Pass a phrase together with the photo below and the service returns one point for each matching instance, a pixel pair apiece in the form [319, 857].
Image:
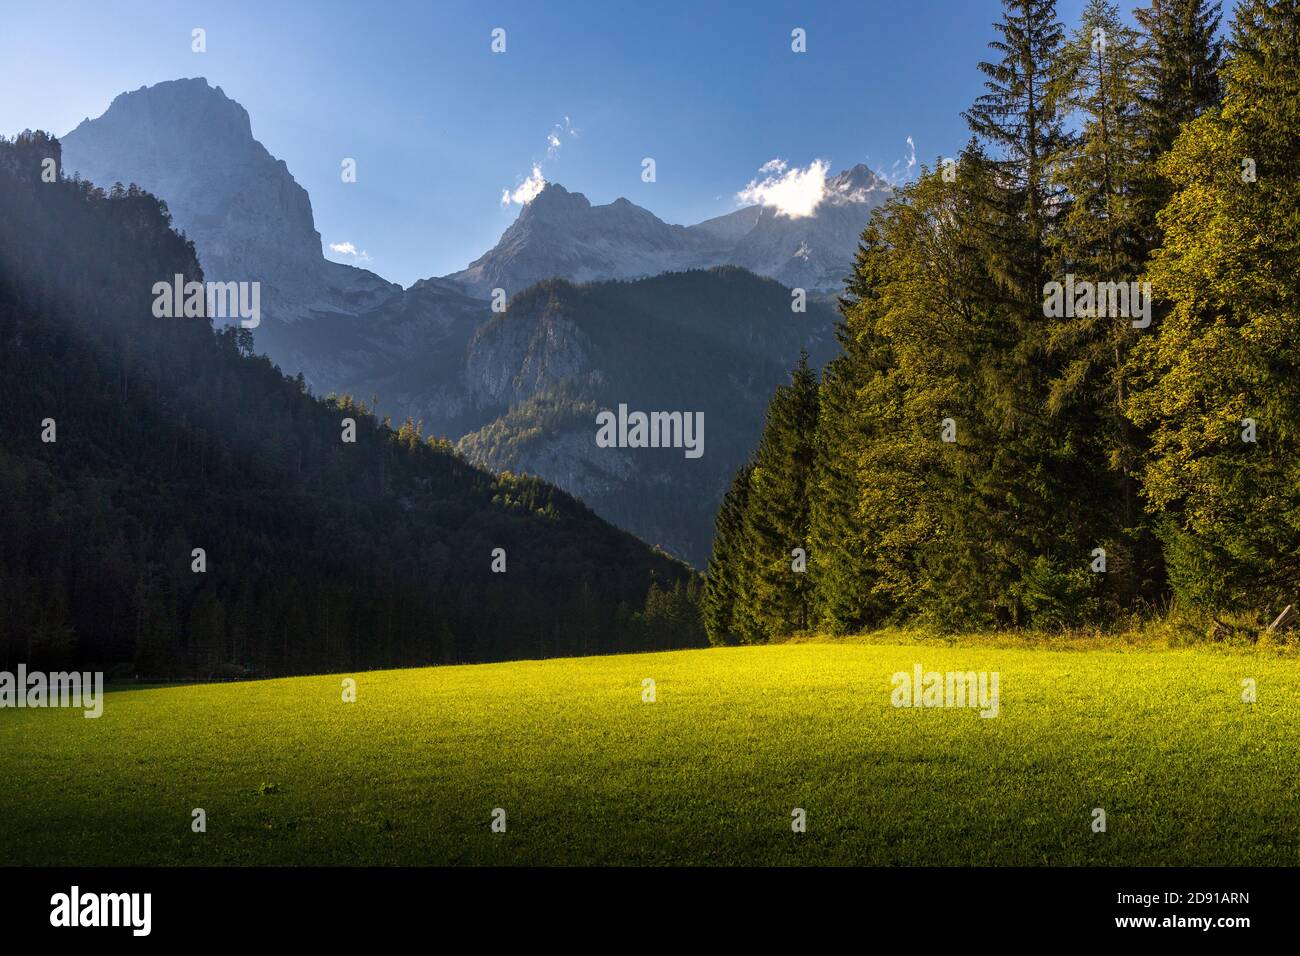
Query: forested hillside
[713, 341]
[133, 443]
[986, 456]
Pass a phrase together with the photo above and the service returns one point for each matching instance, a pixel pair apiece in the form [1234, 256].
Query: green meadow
[588, 772]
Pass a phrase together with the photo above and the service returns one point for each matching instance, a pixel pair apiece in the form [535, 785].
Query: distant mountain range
[518, 390]
[560, 234]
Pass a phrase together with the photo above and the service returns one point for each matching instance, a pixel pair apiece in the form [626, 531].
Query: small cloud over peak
[559, 132]
[527, 190]
[788, 190]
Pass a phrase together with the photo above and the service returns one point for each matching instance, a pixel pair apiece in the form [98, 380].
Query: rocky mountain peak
[856, 185]
[554, 198]
[192, 146]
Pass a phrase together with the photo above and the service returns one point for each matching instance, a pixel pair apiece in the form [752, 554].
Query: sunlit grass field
[588, 772]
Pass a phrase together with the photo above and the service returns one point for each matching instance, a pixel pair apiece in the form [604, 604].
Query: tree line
[979, 456]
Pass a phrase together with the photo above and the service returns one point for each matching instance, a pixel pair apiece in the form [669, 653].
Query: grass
[709, 773]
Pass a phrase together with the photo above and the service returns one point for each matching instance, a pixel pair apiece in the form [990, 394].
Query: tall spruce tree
[1221, 387]
[726, 562]
[1181, 66]
[1034, 466]
[839, 559]
[773, 597]
[1020, 117]
[921, 443]
[1100, 239]
[1182, 55]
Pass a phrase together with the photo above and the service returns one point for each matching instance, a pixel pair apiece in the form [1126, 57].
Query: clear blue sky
[439, 125]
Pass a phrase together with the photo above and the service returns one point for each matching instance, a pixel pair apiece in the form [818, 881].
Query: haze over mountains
[518, 390]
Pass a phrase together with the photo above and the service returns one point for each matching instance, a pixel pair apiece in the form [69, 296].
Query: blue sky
[440, 125]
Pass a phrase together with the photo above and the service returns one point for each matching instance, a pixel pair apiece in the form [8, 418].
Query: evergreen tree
[955, 495]
[1181, 66]
[1032, 463]
[1101, 239]
[839, 554]
[772, 596]
[1020, 116]
[725, 563]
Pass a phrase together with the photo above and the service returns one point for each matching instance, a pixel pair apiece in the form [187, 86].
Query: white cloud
[790, 191]
[349, 249]
[897, 176]
[526, 191]
[555, 138]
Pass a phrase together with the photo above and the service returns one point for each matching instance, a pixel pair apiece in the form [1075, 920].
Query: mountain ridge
[561, 234]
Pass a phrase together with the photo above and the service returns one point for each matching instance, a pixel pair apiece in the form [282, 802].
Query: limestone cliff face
[713, 342]
[193, 147]
[522, 353]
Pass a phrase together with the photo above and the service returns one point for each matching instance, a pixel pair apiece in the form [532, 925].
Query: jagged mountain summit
[560, 234]
[191, 145]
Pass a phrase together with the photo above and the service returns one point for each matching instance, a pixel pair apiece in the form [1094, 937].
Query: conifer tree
[955, 491]
[1020, 117]
[1100, 239]
[1181, 59]
[725, 562]
[1181, 65]
[1033, 465]
[839, 556]
[773, 597]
